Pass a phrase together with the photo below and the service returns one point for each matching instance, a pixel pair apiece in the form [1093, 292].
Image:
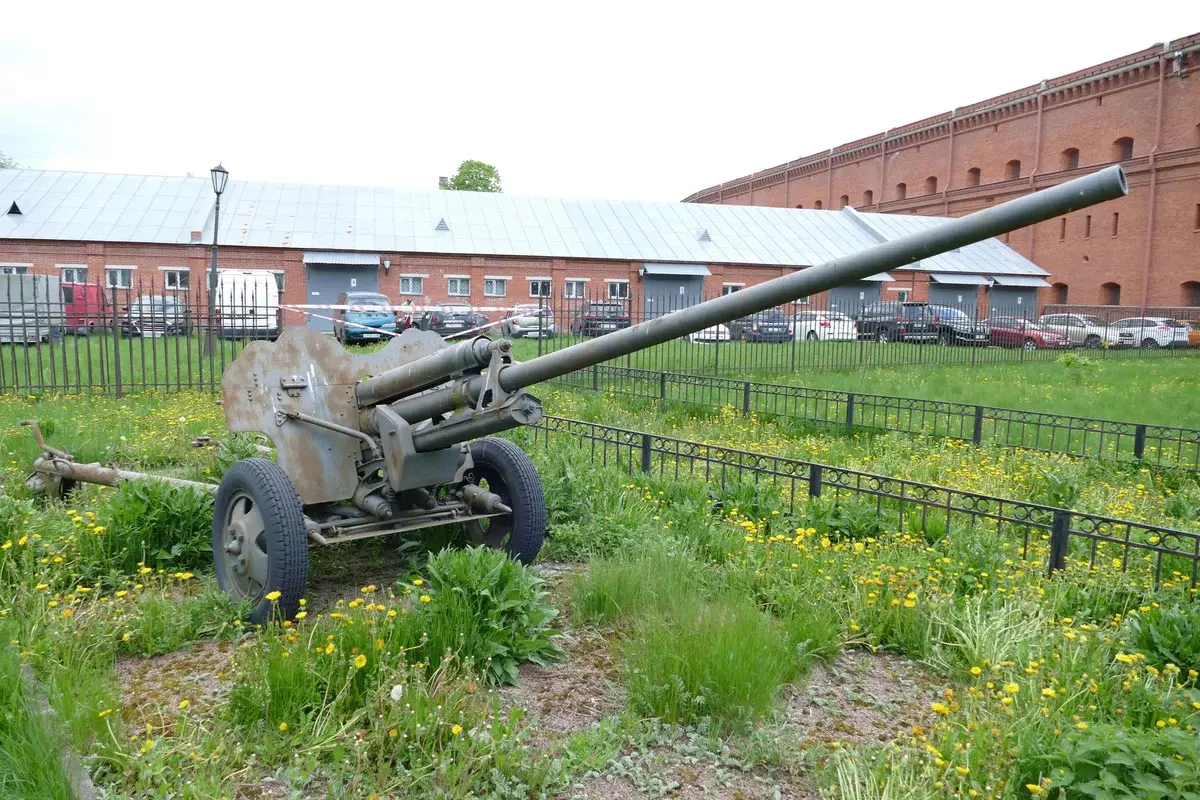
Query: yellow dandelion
[283, 726]
[360, 661]
[273, 596]
[301, 615]
[183, 704]
[426, 598]
[456, 730]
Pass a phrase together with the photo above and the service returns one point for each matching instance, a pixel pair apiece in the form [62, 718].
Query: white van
[31, 308]
[247, 305]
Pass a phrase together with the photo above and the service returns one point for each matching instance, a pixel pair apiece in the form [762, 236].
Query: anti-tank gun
[402, 439]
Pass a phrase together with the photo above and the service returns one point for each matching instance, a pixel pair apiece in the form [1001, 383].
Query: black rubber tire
[945, 338]
[511, 474]
[883, 336]
[285, 539]
[811, 336]
[1092, 342]
[1029, 344]
[1150, 343]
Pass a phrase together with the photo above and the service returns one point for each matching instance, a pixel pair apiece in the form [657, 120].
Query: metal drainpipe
[1037, 158]
[882, 170]
[829, 179]
[949, 169]
[1162, 74]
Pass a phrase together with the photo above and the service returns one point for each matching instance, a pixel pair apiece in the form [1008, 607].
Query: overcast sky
[647, 100]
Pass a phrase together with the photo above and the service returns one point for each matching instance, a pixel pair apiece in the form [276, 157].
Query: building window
[868, 198]
[1123, 149]
[902, 295]
[177, 279]
[1060, 293]
[118, 277]
[494, 287]
[931, 185]
[845, 201]
[1197, 225]
[618, 290]
[1110, 294]
[817, 205]
[539, 287]
[973, 176]
[1087, 227]
[1062, 229]
[14, 269]
[574, 289]
[458, 287]
[901, 191]
[73, 274]
[730, 288]
[1070, 158]
[412, 284]
[1191, 293]
[280, 280]
[799, 205]
[1013, 169]
[1116, 221]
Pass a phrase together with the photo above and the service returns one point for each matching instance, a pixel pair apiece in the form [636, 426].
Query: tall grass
[652, 579]
[30, 749]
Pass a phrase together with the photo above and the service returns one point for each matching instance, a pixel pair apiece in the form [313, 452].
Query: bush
[151, 523]
[1167, 635]
[723, 661]
[488, 609]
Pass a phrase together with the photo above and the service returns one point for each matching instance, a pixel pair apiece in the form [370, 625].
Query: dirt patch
[339, 572]
[698, 780]
[570, 696]
[152, 688]
[862, 698]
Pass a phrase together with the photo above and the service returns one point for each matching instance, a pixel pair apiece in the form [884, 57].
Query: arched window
[1013, 169]
[1123, 149]
[973, 176]
[931, 185]
[799, 205]
[868, 198]
[1060, 293]
[1191, 293]
[1070, 158]
[845, 201]
[817, 205]
[901, 191]
[1110, 294]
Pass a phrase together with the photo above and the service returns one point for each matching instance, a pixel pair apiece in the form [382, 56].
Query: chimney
[443, 182]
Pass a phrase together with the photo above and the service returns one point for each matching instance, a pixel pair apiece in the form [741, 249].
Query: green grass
[31, 765]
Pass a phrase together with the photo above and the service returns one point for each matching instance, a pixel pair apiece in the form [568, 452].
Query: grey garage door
[964, 298]
[667, 293]
[327, 281]
[850, 299]
[1012, 301]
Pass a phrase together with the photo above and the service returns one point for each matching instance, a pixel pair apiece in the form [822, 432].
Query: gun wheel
[504, 469]
[259, 542]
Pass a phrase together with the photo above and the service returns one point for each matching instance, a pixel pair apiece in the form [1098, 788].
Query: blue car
[369, 314]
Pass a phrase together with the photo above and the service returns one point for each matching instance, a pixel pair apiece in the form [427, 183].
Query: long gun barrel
[1106, 184]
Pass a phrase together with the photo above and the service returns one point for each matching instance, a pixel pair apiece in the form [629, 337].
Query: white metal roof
[99, 207]
[959, 279]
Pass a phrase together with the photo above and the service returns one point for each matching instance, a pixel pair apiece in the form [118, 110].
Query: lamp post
[220, 176]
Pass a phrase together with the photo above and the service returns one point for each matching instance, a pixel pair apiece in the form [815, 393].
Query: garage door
[850, 299]
[1012, 301]
[667, 293]
[964, 298]
[327, 281]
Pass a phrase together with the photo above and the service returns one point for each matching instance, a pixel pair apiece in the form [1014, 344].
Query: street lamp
[220, 176]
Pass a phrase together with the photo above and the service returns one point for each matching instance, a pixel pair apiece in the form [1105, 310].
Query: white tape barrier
[405, 308]
[303, 310]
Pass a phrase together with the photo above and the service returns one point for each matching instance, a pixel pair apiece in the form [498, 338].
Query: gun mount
[400, 439]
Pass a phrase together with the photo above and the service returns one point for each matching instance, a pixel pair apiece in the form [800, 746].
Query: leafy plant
[1167, 635]
[846, 518]
[1078, 367]
[150, 523]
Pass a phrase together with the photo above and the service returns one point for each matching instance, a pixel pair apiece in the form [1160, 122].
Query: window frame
[118, 269]
[176, 271]
[420, 285]
[540, 283]
[615, 288]
[63, 269]
[575, 288]
[490, 291]
[15, 268]
[458, 280]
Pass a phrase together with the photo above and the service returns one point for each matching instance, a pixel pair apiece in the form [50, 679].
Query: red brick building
[1141, 110]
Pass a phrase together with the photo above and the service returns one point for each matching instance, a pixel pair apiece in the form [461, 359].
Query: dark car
[766, 326]
[155, 315]
[450, 318]
[954, 326]
[596, 318]
[895, 322]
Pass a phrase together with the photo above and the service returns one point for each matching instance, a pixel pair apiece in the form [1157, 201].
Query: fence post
[850, 410]
[662, 386]
[1060, 539]
[1139, 441]
[746, 397]
[595, 377]
[815, 472]
[977, 432]
[645, 452]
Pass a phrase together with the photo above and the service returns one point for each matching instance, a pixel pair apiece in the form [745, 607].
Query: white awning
[342, 259]
[1020, 280]
[956, 279]
[675, 269]
[882, 277]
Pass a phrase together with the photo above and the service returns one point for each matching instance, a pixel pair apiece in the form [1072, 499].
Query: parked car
[597, 318]
[1194, 334]
[366, 315]
[954, 326]
[1151, 332]
[1024, 333]
[528, 319]
[31, 309]
[86, 308]
[895, 322]
[771, 325]
[152, 315]
[247, 305]
[825, 326]
[449, 319]
[1081, 330]
[717, 333]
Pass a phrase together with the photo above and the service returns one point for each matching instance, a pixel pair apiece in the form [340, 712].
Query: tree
[10, 163]
[475, 176]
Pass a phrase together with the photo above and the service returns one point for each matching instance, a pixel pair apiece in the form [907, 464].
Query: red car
[1024, 333]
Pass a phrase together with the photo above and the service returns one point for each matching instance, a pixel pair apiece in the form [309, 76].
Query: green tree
[475, 176]
[11, 163]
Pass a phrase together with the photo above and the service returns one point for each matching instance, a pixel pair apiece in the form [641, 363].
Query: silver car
[527, 319]
[1082, 330]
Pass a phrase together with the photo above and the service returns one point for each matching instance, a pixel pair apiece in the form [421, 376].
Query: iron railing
[910, 505]
[1081, 437]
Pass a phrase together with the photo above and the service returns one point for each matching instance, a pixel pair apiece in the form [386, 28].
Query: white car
[717, 333]
[825, 326]
[522, 320]
[1151, 332]
[1081, 330]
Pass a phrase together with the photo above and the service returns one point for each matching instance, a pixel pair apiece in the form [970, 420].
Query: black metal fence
[1161, 445]
[912, 506]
